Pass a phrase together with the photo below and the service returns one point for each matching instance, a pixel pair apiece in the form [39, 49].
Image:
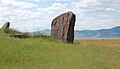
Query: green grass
[46, 53]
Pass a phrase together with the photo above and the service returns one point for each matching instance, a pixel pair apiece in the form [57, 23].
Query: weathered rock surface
[62, 27]
[6, 25]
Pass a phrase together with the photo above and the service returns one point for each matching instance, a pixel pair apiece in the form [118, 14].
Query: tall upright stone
[62, 27]
[6, 25]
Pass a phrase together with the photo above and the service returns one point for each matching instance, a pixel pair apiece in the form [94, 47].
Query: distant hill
[102, 33]
[46, 31]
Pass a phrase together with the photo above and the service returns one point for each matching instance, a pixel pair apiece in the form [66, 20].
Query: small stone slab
[6, 25]
[18, 35]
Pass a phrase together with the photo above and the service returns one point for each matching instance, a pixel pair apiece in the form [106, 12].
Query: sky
[35, 15]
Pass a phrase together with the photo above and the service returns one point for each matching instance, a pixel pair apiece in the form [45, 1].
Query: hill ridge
[101, 33]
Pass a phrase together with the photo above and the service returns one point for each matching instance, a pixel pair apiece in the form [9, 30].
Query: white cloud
[29, 15]
[37, 0]
[15, 3]
[85, 4]
[7, 1]
[56, 7]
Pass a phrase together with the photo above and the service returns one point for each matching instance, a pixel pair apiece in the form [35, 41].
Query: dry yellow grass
[115, 43]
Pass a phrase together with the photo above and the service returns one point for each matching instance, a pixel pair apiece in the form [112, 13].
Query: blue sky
[34, 15]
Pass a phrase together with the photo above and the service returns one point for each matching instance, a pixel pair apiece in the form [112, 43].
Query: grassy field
[110, 42]
[46, 53]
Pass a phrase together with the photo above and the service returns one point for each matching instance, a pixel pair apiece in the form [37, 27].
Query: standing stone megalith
[6, 25]
[62, 27]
